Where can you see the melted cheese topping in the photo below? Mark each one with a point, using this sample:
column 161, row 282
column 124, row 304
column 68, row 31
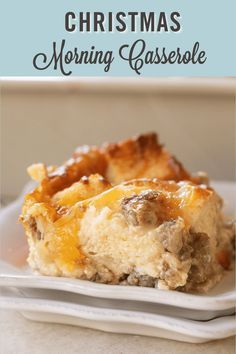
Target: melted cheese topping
column 62, row 227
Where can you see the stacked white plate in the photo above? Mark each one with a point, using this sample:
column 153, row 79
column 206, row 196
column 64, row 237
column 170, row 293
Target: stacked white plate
column 121, row 309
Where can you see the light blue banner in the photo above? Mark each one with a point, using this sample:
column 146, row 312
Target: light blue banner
column 191, row 38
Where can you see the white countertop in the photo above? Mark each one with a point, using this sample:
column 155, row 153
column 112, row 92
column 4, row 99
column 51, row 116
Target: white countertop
column 21, row 336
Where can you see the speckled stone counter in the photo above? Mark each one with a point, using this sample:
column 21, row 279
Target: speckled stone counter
column 20, row 336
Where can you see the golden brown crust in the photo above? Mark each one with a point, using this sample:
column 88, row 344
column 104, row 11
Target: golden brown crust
column 141, row 157
column 85, row 161
column 138, row 157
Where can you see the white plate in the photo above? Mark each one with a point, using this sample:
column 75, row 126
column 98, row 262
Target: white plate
column 118, row 321
column 122, row 297
column 14, row 272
